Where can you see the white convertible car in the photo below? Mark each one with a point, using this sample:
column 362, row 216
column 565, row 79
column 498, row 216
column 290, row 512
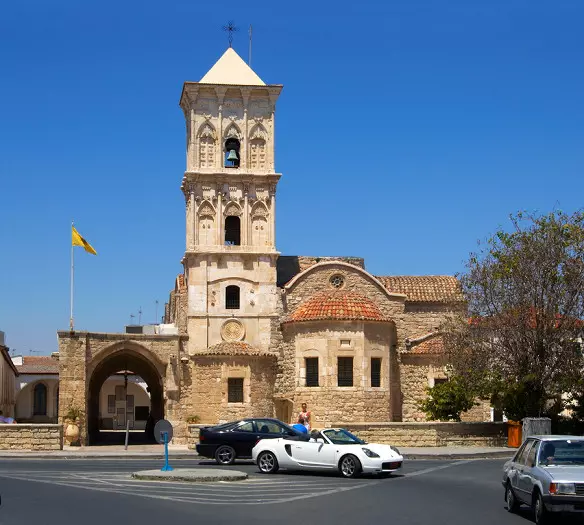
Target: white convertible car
column 329, row 449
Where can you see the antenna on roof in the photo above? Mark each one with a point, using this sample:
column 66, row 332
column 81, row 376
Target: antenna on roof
column 249, row 57
column 132, row 319
column 156, row 315
column 140, row 316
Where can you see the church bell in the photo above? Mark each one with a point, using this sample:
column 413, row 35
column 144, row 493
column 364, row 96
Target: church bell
column 232, row 155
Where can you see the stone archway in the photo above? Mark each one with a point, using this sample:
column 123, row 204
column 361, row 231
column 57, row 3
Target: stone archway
column 123, row 359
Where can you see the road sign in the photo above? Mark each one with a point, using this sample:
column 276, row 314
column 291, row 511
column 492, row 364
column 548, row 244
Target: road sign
column 161, row 427
column 163, row 434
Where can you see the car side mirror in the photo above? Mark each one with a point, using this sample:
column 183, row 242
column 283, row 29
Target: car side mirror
column 319, row 440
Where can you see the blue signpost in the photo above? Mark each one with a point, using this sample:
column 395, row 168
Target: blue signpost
column 166, row 467
column 163, row 434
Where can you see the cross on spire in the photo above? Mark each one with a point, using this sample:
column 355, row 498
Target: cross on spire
column 230, row 28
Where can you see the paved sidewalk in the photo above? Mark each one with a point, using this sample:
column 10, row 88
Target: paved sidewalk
column 183, row 452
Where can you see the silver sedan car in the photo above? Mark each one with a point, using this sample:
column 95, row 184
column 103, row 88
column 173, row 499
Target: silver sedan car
column 546, row 473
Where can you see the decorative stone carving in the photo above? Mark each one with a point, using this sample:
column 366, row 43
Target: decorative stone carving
column 232, row 330
column 259, row 210
column 233, row 132
column 232, row 209
column 206, row 210
column 206, row 130
column 258, row 132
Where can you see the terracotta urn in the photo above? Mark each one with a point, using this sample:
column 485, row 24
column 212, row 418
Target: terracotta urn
column 72, row 432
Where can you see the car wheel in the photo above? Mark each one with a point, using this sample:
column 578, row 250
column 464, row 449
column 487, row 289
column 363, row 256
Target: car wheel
column 539, row 510
column 225, row 455
column 512, row 503
column 268, row 463
column 350, row 466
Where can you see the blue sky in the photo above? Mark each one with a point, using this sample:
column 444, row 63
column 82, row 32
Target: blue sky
column 406, row 131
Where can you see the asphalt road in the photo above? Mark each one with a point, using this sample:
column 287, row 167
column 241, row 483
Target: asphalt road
column 100, row 492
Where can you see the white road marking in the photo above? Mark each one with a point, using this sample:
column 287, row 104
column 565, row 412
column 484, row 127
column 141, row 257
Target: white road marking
column 254, row 491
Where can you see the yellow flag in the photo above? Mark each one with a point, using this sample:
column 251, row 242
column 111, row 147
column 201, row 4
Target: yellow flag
column 80, row 241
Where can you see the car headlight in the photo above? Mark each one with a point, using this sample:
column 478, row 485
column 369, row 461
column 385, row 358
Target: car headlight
column 369, row 453
column 396, row 450
column 562, row 488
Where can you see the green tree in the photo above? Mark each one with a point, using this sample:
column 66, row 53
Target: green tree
column 525, row 296
column 447, row 400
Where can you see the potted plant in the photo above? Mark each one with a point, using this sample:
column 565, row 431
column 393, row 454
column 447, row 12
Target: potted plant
column 71, row 421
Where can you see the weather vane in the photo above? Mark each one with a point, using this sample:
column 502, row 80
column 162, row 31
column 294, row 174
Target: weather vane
column 230, row 28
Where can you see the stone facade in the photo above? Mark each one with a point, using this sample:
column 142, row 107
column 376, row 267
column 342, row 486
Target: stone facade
column 433, row 434
column 261, row 333
column 31, row 437
column 8, row 375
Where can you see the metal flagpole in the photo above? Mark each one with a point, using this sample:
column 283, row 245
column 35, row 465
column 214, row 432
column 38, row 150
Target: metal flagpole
column 72, row 280
column 249, row 58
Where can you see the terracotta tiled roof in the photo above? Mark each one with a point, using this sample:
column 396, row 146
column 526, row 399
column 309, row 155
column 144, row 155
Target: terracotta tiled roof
column 337, row 305
column 235, row 348
column 424, row 288
column 427, row 344
column 44, row 364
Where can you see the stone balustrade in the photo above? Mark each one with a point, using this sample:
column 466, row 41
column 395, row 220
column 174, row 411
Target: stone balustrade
column 31, row 437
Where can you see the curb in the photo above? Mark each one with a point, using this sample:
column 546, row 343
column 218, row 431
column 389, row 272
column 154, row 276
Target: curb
column 191, row 475
column 89, row 455
column 478, row 455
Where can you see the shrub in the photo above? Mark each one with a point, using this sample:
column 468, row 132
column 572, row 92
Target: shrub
column 446, row 401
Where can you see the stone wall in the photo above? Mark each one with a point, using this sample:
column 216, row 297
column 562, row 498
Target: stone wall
column 210, row 376
column 31, row 437
column 326, row 340
column 7, row 383
column 432, row 434
column 416, row 434
column 417, row 374
column 157, row 359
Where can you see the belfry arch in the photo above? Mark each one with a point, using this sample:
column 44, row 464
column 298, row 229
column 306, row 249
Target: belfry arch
column 129, row 360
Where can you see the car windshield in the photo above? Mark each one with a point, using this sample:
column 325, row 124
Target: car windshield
column 342, row 437
column 561, row 452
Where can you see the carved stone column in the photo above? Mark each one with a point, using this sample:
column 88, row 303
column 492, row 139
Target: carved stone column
column 271, row 162
column 191, row 219
column 196, row 235
column 220, row 96
column 273, row 215
column 245, row 94
column 219, row 233
column 246, row 221
column 188, row 217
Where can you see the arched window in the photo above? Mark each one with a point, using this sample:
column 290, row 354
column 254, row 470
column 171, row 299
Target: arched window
column 232, row 297
column 232, row 158
column 232, row 230
column 40, row 400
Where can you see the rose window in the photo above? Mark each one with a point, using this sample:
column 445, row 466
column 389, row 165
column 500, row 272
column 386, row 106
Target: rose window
column 337, row 281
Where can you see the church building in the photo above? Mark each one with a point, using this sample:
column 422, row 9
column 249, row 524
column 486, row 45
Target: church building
column 258, row 333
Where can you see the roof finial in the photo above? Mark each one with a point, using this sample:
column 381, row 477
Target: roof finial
column 230, row 28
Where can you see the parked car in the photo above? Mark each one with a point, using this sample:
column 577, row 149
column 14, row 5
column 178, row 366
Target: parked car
column 546, row 473
column 235, row 439
column 329, row 449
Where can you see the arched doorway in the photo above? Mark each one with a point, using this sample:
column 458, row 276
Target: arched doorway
column 132, row 362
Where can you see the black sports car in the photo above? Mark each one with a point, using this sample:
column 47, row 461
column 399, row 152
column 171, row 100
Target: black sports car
column 233, row 440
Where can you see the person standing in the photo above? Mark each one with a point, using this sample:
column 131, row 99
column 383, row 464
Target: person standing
column 304, row 417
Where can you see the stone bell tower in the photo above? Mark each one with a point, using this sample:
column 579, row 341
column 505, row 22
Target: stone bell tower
column 230, row 192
